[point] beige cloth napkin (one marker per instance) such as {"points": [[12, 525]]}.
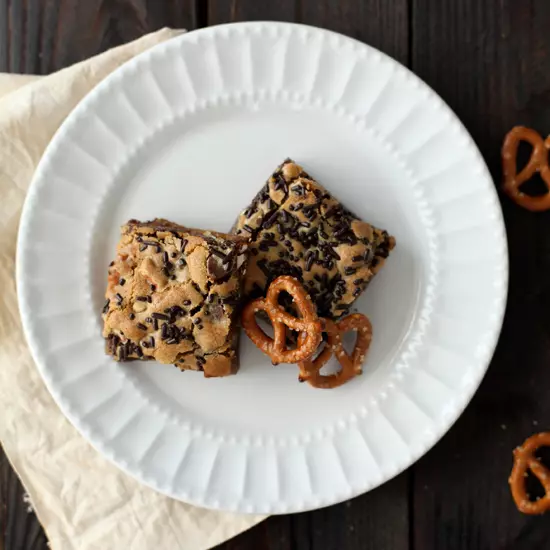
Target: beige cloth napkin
{"points": [[82, 500]]}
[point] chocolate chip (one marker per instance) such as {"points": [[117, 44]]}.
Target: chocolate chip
{"points": [[217, 269]]}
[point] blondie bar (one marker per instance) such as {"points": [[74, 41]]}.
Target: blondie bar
{"points": [[296, 227], [173, 296]]}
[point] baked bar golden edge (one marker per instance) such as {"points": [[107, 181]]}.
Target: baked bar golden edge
{"points": [[296, 227], [174, 296]]}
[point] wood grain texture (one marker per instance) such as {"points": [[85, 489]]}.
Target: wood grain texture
{"points": [[19, 528], [489, 61], [42, 36]]}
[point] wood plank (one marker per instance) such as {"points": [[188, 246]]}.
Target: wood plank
{"points": [[373, 521], [42, 37], [19, 528], [489, 61], [229, 11]]}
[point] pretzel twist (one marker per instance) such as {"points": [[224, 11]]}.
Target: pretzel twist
{"points": [[307, 324], [538, 162], [310, 369], [524, 460]]}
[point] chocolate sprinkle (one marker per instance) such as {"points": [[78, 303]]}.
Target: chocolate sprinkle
{"points": [[132, 316], [141, 298], [269, 221], [118, 298], [246, 227], [121, 281], [141, 326], [160, 316]]}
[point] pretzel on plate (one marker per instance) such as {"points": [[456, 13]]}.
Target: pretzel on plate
{"points": [[310, 369], [524, 460], [538, 162], [308, 324]]}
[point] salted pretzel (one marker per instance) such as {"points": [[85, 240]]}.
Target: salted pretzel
{"points": [[525, 459], [308, 324], [538, 162], [310, 369]]}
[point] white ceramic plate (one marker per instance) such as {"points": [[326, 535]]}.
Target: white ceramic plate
{"points": [[189, 131]]}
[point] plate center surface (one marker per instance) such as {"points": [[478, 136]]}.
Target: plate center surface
{"points": [[201, 172]]}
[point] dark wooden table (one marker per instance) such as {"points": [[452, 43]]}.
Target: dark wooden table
{"points": [[490, 61]]}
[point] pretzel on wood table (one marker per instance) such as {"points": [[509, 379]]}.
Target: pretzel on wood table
{"points": [[308, 324], [310, 369], [538, 162], [524, 460]]}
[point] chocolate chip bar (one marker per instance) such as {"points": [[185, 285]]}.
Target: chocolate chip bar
{"points": [[173, 296], [296, 227]]}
